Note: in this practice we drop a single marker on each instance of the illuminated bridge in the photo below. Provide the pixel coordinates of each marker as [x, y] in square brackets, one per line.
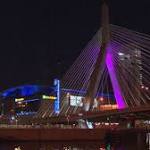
[116, 60]
[114, 64]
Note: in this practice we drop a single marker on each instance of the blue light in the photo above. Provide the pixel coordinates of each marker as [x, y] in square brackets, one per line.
[57, 101]
[106, 95]
[29, 90]
[71, 90]
[25, 90]
[25, 113]
[8, 92]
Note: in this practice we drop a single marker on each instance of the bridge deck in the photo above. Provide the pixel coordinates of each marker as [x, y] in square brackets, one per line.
[136, 113]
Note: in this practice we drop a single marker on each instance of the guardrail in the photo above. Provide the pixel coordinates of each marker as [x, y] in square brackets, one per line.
[61, 126]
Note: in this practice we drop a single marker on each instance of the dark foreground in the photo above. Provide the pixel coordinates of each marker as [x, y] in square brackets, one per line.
[74, 145]
[74, 139]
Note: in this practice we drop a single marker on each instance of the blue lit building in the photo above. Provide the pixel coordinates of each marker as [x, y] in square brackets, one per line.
[26, 99]
[23, 100]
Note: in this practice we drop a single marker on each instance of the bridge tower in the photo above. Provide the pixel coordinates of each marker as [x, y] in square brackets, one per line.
[100, 62]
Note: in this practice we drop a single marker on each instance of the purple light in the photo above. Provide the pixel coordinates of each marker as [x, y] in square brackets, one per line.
[117, 90]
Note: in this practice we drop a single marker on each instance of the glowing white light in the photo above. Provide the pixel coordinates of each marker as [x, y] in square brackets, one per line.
[17, 148]
[146, 88]
[121, 54]
[106, 124]
[76, 101]
[142, 86]
[101, 99]
[12, 118]
[68, 95]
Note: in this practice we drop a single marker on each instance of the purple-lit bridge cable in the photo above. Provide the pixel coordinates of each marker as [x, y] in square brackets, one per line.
[116, 88]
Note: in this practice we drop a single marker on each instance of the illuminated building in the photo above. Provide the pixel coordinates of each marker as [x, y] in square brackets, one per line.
[130, 66]
[26, 100]
[102, 102]
[23, 100]
[132, 61]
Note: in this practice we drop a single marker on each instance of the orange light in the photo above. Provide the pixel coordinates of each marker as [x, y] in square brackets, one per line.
[108, 107]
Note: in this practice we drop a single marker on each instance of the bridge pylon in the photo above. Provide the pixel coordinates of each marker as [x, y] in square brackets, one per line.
[100, 65]
[100, 62]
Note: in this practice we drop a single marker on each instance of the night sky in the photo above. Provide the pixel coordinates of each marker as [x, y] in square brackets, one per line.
[40, 39]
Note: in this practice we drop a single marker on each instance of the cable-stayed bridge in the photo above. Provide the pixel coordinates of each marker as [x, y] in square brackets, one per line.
[115, 61]
[128, 63]
[106, 89]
